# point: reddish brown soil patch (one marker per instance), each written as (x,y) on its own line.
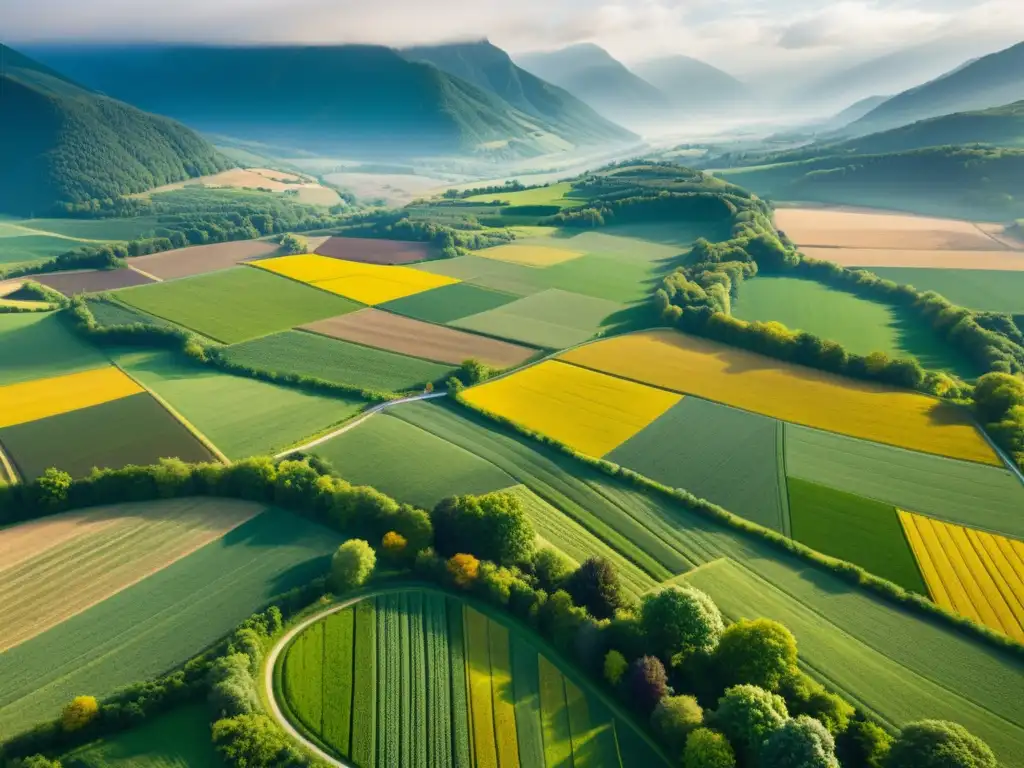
(200,259)
(376,328)
(92,281)
(369,250)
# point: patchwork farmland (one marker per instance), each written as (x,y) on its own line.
(414,678)
(373,250)
(200,259)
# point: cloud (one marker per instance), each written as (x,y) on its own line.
(850,23)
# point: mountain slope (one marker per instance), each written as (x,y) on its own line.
(987,82)
(591,74)
(361,98)
(70,145)
(695,85)
(491,69)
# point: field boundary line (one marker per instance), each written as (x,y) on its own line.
(782,470)
(1007,461)
(8,467)
(680,577)
(34,231)
(357,421)
(145,274)
(196,433)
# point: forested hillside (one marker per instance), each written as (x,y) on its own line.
(358,98)
(490,69)
(70,145)
(987,82)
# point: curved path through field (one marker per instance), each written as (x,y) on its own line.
(268,680)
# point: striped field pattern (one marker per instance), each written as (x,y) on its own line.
(977,574)
(414,678)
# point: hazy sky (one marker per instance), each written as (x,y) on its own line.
(742,35)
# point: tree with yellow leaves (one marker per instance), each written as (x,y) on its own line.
(79,713)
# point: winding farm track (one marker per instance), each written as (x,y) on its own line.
(356,422)
(268,678)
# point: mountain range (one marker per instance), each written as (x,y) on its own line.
(359,99)
(71,145)
(695,86)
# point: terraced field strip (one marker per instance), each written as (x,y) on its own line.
(164,619)
(463,751)
(858,671)
(588,411)
(374,328)
(112,548)
(338,653)
(528,254)
(852,528)
(977,574)
(366,283)
(929,670)
(364,689)
(38,399)
(929,260)
(504,696)
(722,454)
(753,382)
(235,304)
(553,194)
(129,430)
(40,345)
(961,492)
(389,681)
(481,703)
(439,681)
(554,716)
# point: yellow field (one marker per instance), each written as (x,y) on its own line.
(24,303)
(32,400)
(588,411)
(977,574)
(366,283)
(793,393)
(529,255)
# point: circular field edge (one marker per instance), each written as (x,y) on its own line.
(273,666)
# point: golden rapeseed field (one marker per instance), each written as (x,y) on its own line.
(366,283)
(793,393)
(32,400)
(977,574)
(529,255)
(588,411)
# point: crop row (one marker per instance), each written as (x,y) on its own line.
(481,704)
(439,700)
(339,631)
(389,683)
(302,675)
(364,710)
(462,744)
(554,716)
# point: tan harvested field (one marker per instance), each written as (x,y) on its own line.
(1012,261)
(7,287)
(376,328)
(1004,235)
(372,250)
(56,567)
(310,192)
(830,228)
(394,188)
(200,259)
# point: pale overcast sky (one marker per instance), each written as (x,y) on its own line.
(740,35)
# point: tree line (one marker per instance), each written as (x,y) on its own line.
(712,695)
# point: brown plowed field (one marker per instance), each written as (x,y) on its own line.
(91,281)
(383,330)
(827,228)
(893,257)
(369,250)
(54,568)
(200,259)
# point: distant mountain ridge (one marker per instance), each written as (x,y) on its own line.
(695,85)
(70,145)
(491,69)
(986,82)
(364,99)
(591,74)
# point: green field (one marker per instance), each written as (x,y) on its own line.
(661,537)
(163,620)
(25,249)
(614,278)
(488,273)
(452,687)
(862,673)
(108,313)
(716,452)
(176,739)
(130,430)
(97,229)
(241,416)
(309,354)
(449,302)
(553,319)
(860,325)
(862,531)
(408,463)
(649,241)
(236,304)
(960,492)
(985,289)
(40,345)
(555,194)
